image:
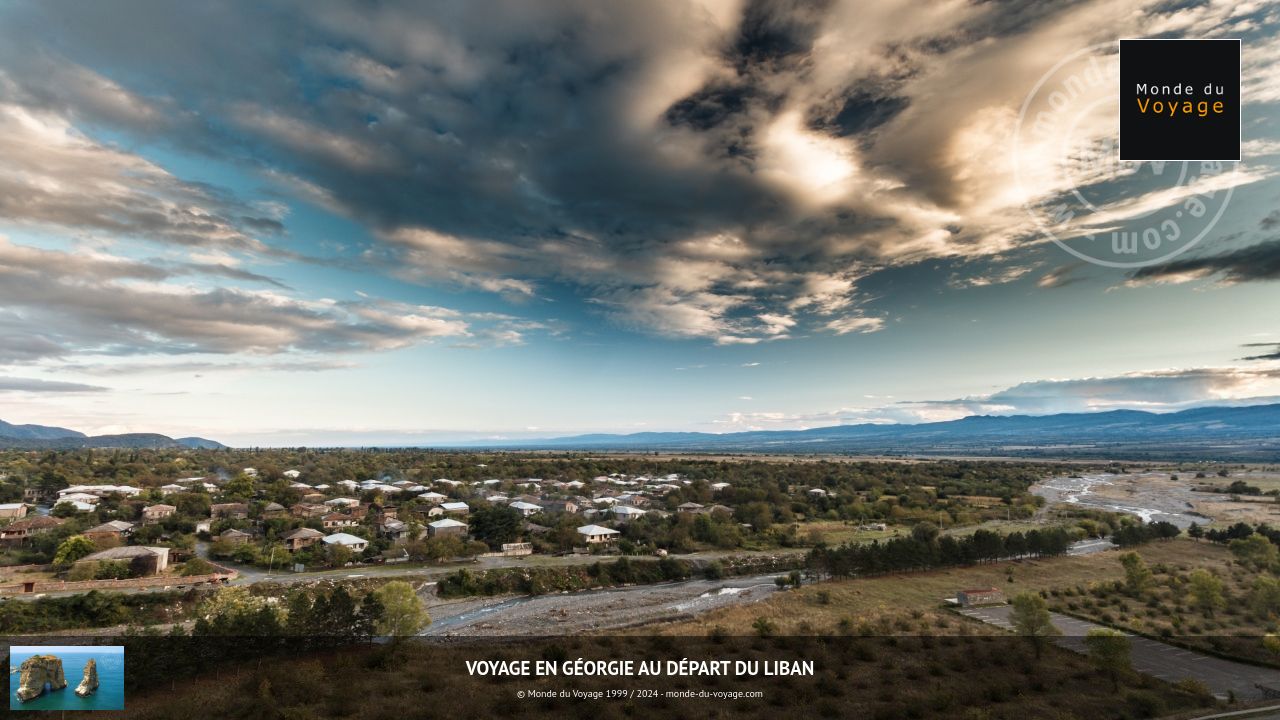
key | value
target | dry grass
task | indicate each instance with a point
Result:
(821, 607)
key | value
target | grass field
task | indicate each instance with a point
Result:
(913, 602)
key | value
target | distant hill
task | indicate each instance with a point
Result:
(1240, 433)
(41, 437)
(36, 432)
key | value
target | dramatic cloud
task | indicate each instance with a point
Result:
(1251, 263)
(719, 169)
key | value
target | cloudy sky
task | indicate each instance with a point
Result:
(326, 222)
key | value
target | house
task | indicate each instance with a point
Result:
(13, 511)
(689, 507)
(274, 510)
(596, 534)
(455, 508)
(525, 508)
(434, 498)
(115, 530)
(81, 498)
(301, 538)
(337, 520)
(292, 474)
(447, 526)
(153, 513)
(817, 492)
(100, 490)
(171, 488)
(234, 537)
(980, 596)
(561, 506)
(144, 560)
(394, 530)
(356, 544)
(308, 510)
(229, 510)
(626, 513)
(717, 487)
(342, 502)
(20, 530)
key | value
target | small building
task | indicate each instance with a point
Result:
(561, 506)
(626, 513)
(356, 544)
(171, 488)
(229, 510)
(144, 560)
(525, 508)
(154, 513)
(20, 530)
(273, 510)
(595, 534)
(308, 510)
(232, 536)
(455, 508)
(980, 596)
(689, 507)
(447, 526)
(302, 538)
(337, 520)
(13, 511)
(116, 530)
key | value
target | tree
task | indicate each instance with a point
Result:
(1195, 531)
(495, 525)
(338, 554)
(1031, 619)
(1206, 591)
(1137, 576)
(1255, 552)
(72, 549)
(925, 532)
(1109, 653)
(1265, 597)
(403, 613)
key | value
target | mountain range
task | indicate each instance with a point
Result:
(1251, 432)
(40, 437)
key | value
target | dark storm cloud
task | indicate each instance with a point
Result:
(699, 169)
(1248, 264)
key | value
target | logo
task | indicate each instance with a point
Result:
(1101, 209)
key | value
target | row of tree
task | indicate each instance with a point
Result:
(923, 550)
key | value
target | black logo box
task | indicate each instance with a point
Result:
(1185, 67)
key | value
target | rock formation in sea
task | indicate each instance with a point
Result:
(90, 682)
(37, 671)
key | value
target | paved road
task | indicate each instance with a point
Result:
(1161, 660)
(1089, 547)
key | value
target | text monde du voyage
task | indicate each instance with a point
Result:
(1181, 99)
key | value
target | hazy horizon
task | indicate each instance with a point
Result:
(274, 225)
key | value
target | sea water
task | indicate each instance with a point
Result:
(110, 692)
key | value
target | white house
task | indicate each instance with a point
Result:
(356, 544)
(594, 534)
(171, 488)
(342, 502)
(433, 497)
(455, 508)
(625, 513)
(292, 474)
(526, 508)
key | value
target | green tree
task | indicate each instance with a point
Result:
(1137, 576)
(1206, 591)
(1109, 653)
(403, 612)
(1031, 619)
(72, 549)
(1264, 599)
(1255, 552)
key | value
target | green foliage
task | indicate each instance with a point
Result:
(1109, 652)
(1137, 576)
(72, 549)
(1032, 620)
(403, 612)
(1255, 552)
(1206, 591)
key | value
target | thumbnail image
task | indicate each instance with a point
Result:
(66, 677)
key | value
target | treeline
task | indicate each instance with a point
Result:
(1137, 533)
(92, 610)
(1238, 531)
(539, 581)
(922, 552)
